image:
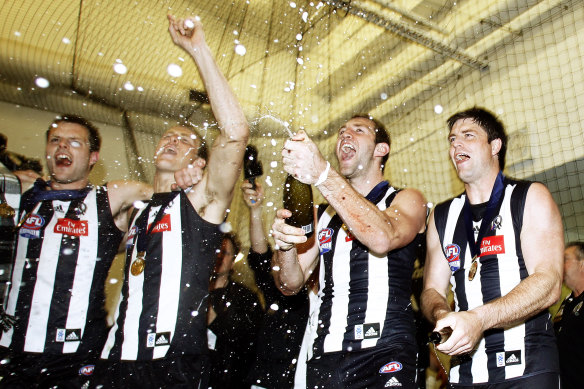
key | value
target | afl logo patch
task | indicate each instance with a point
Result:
(452, 252)
(390, 367)
(87, 370)
(325, 240)
(31, 227)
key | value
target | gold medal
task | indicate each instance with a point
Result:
(473, 269)
(6, 211)
(137, 266)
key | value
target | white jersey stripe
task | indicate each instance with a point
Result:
(80, 293)
(131, 345)
(340, 307)
(169, 284)
(43, 292)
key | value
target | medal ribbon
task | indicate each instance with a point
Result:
(492, 206)
(40, 193)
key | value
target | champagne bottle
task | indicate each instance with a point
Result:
(440, 337)
(298, 200)
(252, 167)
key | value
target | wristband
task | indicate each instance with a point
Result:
(324, 175)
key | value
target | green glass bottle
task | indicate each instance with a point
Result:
(298, 200)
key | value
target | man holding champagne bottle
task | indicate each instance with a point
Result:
(367, 239)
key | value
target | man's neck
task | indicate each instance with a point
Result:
(364, 183)
(479, 191)
(163, 181)
(82, 184)
(578, 290)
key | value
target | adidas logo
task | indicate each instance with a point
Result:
(512, 359)
(162, 340)
(371, 332)
(392, 382)
(72, 336)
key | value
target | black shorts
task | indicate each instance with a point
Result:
(28, 370)
(380, 367)
(185, 372)
(539, 381)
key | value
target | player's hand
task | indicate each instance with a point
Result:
(186, 32)
(466, 332)
(252, 198)
(189, 176)
(302, 159)
(286, 236)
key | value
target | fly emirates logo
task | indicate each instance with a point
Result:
(493, 245)
(71, 227)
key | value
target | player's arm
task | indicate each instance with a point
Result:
(296, 256)
(380, 231)
(121, 195)
(213, 197)
(436, 277)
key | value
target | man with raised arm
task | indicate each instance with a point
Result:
(68, 235)
(368, 238)
(159, 337)
(500, 245)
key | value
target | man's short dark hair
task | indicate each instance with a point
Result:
(234, 241)
(488, 122)
(92, 131)
(579, 249)
(381, 134)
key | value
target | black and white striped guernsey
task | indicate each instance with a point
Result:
(364, 298)
(64, 252)
(163, 309)
(523, 350)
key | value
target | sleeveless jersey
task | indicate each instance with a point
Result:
(63, 254)
(163, 309)
(364, 298)
(526, 349)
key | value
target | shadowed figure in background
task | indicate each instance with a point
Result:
(233, 319)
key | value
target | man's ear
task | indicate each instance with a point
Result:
(93, 158)
(496, 145)
(381, 149)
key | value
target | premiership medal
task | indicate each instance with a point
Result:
(138, 265)
(6, 211)
(473, 269)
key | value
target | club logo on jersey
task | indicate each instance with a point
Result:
(162, 225)
(492, 245)
(325, 240)
(391, 367)
(68, 335)
(452, 252)
(158, 339)
(508, 358)
(496, 224)
(31, 228)
(71, 227)
(87, 370)
(367, 331)
(81, 209)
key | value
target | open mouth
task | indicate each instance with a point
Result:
(461, 157)
(63, 160)
(347, 150)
